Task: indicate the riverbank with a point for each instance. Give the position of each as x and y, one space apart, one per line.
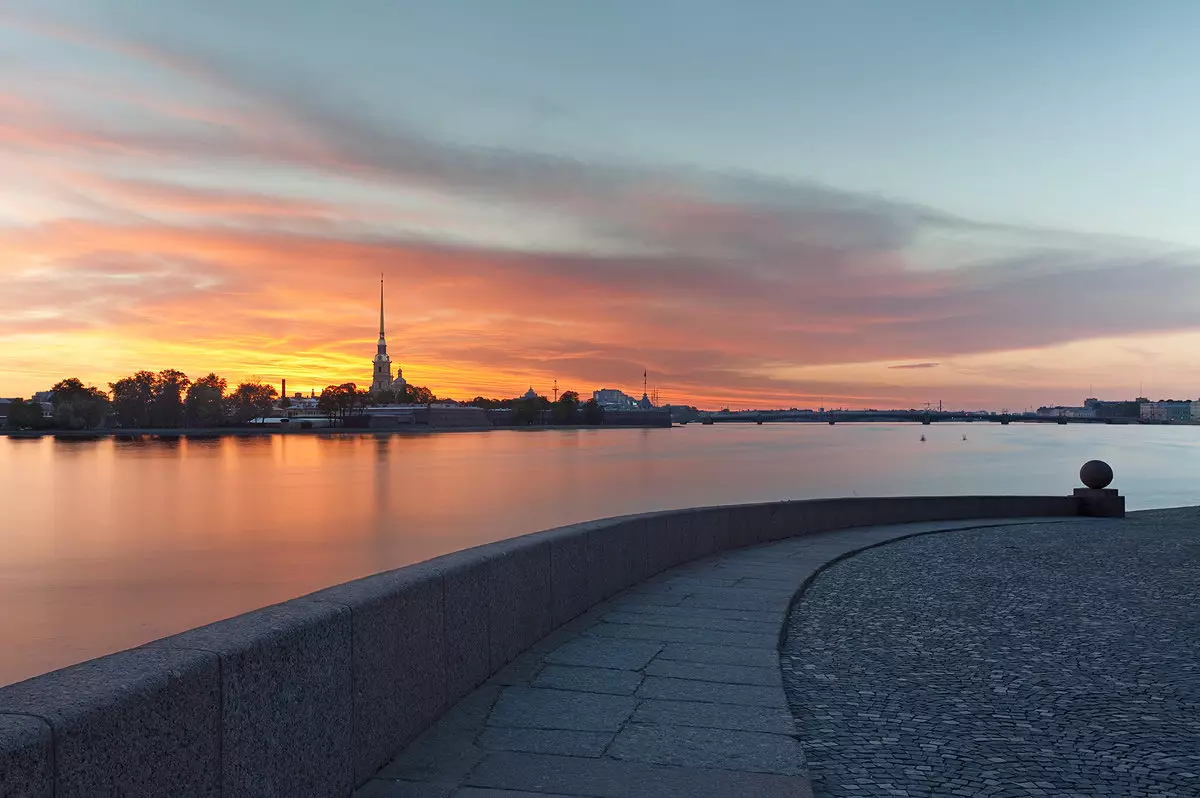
245 432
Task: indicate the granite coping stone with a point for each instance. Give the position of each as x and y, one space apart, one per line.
286 699
26 753
140 722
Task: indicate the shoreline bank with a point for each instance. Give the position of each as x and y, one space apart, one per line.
243 432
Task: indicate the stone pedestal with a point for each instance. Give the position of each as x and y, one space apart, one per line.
1100 502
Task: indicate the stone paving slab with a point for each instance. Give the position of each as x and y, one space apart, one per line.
709 672
724 749
611 777
671 688
588 680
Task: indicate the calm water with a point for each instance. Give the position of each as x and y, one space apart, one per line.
106 545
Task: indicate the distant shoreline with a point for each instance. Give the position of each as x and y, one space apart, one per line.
243 432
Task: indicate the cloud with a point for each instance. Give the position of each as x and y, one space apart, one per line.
718 283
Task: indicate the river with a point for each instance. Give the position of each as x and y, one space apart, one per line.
109 544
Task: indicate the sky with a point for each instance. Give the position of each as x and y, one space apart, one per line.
762 204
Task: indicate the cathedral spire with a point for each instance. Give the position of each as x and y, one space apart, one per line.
381 304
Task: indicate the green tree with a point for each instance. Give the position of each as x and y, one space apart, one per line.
170 387
385 396
251 399
340 401
25 415
78 407
133 399
593 413
204 405
418 395
566 409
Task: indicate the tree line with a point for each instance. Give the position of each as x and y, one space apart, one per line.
169 399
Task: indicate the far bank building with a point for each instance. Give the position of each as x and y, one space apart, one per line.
382 380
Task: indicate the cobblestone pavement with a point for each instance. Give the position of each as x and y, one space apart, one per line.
1041 659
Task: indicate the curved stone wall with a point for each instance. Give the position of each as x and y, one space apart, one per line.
310 697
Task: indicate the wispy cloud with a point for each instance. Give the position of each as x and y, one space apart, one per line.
715 281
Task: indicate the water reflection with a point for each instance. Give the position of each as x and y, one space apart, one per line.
110 543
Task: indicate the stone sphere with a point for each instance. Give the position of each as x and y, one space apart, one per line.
1096 474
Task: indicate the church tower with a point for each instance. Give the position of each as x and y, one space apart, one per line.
382 378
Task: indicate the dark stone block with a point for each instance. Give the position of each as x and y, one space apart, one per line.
1100 502
518 596
696 532
702 714
664 548
286 698
588 680
141 722
751 524
26 757
399 665
543 773
724 749
666 689
784 520
629 655
619 554
568 742
538 708
467 604
572 584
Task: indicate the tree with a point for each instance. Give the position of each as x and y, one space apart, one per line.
384 396
251 399
339 401
593 413
566 409
419 395
205 402
170 386
133 399
78 407
25 415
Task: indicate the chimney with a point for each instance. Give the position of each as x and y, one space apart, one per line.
283 389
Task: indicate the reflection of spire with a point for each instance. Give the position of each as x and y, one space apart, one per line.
381 305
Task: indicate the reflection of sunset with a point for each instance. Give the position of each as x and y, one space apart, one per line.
158 536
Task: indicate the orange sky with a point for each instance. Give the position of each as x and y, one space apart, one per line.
191 219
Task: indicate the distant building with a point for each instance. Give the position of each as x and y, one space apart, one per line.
1067 412
530 394
381 378
1168 411
613 399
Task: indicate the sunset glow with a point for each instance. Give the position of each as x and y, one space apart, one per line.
199 190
